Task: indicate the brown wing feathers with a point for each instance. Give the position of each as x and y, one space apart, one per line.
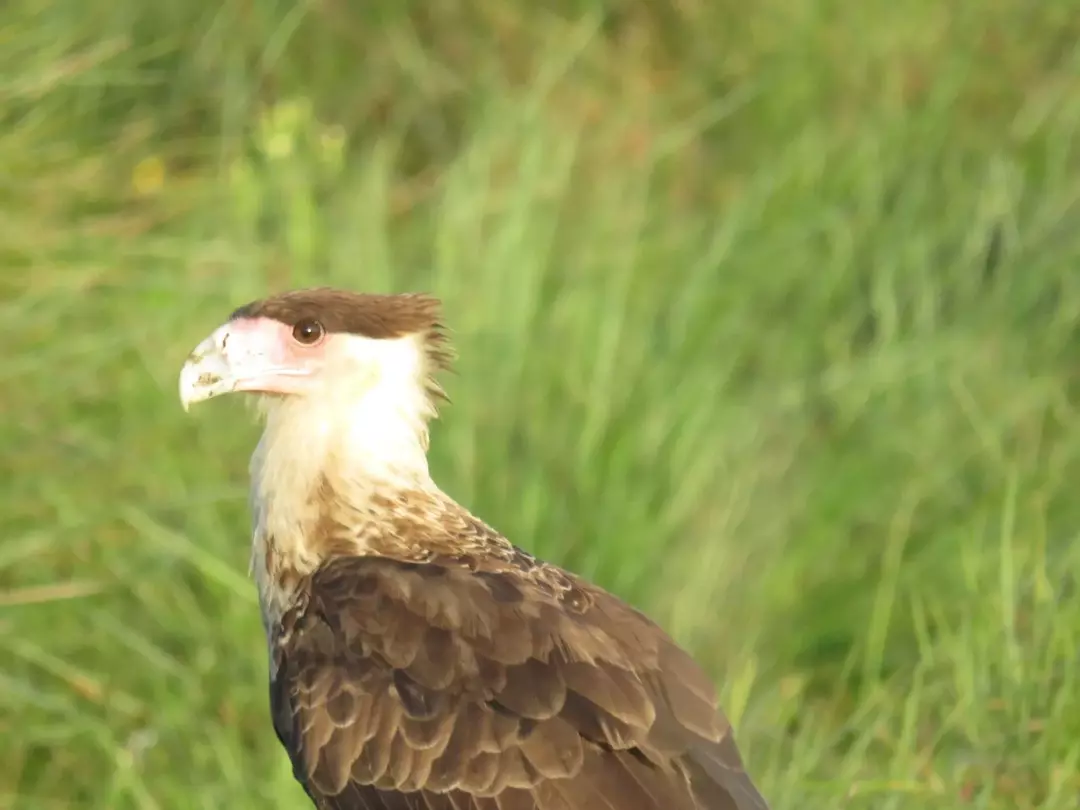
402 685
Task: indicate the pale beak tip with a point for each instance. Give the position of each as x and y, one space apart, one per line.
185 387
204 373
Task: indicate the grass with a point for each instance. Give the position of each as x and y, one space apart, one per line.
767 321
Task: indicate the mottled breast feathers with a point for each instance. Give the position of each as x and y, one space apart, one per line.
444 686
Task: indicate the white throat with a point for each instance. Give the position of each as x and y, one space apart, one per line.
362 435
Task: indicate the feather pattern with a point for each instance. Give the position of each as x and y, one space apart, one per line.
402 684
419 660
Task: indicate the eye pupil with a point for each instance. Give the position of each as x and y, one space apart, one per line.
308 332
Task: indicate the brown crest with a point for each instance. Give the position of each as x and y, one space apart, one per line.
380 317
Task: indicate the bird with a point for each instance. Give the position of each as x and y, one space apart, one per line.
418 660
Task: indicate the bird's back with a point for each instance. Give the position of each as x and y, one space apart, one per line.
493 683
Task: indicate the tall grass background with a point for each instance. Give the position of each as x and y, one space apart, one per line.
767 318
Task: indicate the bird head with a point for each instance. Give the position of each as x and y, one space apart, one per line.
345 381
320 344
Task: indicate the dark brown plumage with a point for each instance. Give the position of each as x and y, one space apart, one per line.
427 685
467 674
370 315
419 660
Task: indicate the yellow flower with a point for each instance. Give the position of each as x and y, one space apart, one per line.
148 176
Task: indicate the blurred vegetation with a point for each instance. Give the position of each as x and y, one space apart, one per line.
767 316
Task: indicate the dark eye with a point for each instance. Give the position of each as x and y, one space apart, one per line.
308 332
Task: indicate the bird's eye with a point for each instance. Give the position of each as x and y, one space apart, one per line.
308 332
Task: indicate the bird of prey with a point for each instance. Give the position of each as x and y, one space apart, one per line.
418 659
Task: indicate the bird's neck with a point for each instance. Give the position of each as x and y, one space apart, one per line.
326 480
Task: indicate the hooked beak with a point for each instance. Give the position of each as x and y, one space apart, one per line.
208 371
239 356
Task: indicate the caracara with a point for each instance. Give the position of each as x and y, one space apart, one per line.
417 659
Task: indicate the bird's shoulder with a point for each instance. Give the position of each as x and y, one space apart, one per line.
477 673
